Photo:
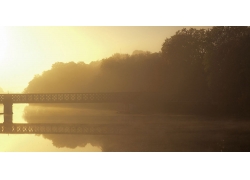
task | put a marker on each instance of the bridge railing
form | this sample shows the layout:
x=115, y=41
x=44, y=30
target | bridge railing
x=71, y=97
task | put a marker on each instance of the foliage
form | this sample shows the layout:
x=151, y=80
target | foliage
x=63, y=77
x=227, y=63
x=120, y=72
x=194, y=65
x=183, y=54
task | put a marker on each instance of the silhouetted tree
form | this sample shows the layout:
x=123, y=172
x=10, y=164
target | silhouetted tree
x=183, y=54
x=63, y=77
x=227, y=63
x=130, y=73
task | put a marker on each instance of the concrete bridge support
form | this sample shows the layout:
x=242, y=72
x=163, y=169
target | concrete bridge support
x=7, y=108
x=7, y=120
x=7, y=105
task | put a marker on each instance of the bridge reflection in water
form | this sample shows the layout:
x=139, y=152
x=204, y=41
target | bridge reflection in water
x=60, y=128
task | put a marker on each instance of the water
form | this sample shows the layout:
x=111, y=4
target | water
x=32, y=142
x=143, y=132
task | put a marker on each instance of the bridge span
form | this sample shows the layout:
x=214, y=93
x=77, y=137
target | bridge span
x=120, y=97
x=70, y=97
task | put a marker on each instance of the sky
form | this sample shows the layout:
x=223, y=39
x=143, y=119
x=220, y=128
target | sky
x=29, y=50
x=30, y=61
x=32, y=39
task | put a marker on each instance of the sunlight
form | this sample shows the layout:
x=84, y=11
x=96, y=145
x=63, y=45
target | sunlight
x=3, y=43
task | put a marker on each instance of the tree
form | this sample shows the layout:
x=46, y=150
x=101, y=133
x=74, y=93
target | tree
x=227, y=63
x=136, y=72
x=183, y=54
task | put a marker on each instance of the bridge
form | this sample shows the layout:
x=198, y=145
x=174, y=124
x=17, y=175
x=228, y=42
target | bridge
x=8, y=99
x=113, y=97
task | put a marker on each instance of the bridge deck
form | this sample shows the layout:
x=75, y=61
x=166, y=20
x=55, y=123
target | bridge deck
x=70, y=97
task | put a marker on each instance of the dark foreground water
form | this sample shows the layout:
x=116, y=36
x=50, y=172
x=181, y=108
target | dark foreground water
x=151, y=133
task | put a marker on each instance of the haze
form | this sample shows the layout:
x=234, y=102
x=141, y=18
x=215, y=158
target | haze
x=27, y=51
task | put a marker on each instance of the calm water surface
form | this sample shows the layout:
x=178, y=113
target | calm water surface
x=33, y=142
x=150, y=133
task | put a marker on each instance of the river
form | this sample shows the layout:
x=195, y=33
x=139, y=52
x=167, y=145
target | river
x=33, y=142
x=145, y=132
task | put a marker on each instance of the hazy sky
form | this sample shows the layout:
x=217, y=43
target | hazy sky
x=27, y=51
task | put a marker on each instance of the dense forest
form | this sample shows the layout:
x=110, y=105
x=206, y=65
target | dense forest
x=209, y=66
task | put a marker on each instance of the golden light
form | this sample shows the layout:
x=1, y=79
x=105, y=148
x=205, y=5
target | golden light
x=3, y=43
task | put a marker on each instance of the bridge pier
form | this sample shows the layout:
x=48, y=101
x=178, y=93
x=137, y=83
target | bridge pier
x=7, y=108
x=7, y=104
x=7, y=124
x=7, y=119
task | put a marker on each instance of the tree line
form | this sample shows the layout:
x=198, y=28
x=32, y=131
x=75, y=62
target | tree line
x=194, y=65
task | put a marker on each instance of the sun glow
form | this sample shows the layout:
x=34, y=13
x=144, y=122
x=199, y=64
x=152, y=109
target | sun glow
x=3, y=43
x=27, y=51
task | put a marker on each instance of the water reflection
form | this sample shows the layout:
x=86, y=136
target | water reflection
x=151, y=133
x=8, y=127
x=33, y=142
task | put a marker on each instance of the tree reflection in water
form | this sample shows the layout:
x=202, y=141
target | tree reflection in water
x=150, y=133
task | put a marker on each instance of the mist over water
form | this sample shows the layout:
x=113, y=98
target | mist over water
x=144, y=132
x=34, y=142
